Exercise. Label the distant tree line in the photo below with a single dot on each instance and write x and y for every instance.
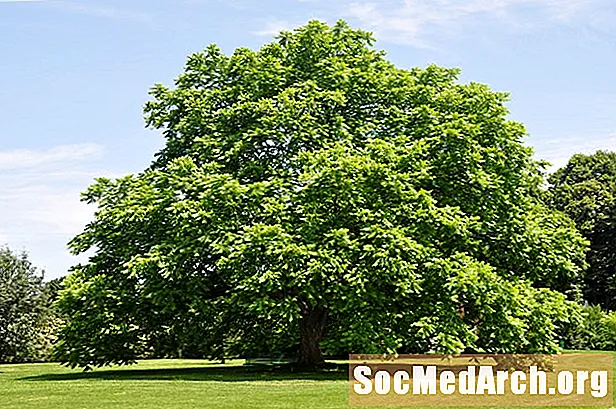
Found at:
(585, 190)
(28, 320)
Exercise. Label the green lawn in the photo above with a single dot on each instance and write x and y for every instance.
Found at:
(177, 384)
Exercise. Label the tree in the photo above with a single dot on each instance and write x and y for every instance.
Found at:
(585, 189)
(312, 195)
(24, 310)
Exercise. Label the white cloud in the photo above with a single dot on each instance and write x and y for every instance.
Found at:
(558, 151)
(87, 8)
(40, 207)
(108, 12)
(274, 27)
(25, 158)
(409, 21)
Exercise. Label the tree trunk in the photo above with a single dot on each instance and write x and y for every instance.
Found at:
(311, 328)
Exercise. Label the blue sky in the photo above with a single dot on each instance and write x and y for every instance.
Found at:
(75, 74)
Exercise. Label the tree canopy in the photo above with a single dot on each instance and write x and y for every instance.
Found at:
(25, 314)
(313, 196)
(585, 189)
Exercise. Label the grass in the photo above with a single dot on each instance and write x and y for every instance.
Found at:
(173, 384)
(176, 384)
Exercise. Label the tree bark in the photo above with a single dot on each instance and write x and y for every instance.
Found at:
(311, 328)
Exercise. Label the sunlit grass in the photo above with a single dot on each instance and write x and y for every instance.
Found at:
(177, 384)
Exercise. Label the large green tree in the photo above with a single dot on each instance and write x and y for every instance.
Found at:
(311, 196)
(585, 189)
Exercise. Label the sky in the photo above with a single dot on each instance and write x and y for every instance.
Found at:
(74, 75)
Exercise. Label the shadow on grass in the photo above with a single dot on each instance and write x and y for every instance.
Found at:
(213, 373)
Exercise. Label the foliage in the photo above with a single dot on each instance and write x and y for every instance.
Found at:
(312, 192)
(26, 320)
(595, 329)
(585, 189)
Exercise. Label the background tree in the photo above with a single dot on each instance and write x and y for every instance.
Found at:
(312, 195)
(25, 314)
(585, 189)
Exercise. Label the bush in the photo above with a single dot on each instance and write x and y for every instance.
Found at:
(608, 331)
(595, 329)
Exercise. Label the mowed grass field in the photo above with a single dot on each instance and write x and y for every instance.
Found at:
(177, 384)
(169, 384)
